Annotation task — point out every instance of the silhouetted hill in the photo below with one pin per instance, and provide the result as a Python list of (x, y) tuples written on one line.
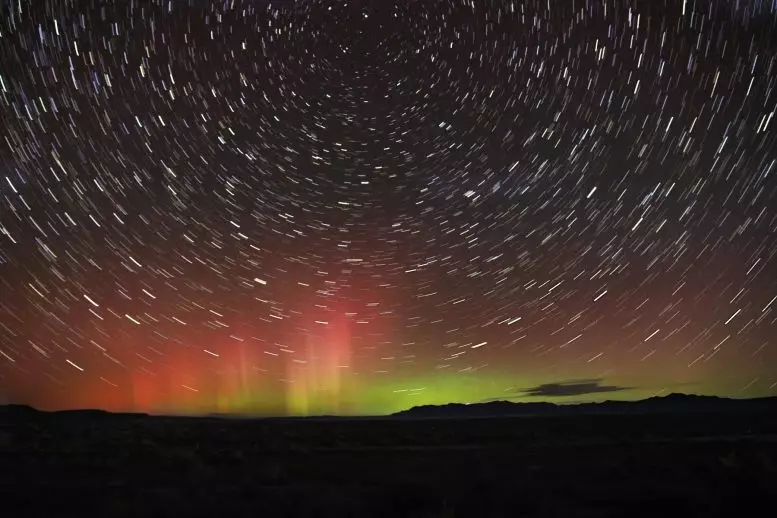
[(670, 403), (94, 414), (11, 412)]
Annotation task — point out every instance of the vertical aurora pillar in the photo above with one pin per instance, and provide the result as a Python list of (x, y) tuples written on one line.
[(316, 375)]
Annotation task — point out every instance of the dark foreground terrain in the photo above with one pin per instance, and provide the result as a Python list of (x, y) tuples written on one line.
[(91, 464)]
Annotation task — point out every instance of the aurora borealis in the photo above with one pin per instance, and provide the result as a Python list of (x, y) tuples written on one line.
[(330, 207)]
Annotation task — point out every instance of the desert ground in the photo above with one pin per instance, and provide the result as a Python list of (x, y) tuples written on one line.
[(84, 464)]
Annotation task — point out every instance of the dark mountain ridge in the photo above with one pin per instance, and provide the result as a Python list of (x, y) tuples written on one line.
[(28, 412), (670, 403), (657, 404)]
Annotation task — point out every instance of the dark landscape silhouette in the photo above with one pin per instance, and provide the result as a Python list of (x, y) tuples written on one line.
[(674, 402), (691, 455)]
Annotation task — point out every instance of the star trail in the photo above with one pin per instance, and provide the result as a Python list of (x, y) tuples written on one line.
[(357, 207)]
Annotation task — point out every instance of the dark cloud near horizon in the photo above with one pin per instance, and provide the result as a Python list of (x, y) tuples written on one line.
[(578, 387), (572, 388)]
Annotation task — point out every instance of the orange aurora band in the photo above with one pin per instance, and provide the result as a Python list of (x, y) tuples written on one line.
[(241, 376), (236, 374)]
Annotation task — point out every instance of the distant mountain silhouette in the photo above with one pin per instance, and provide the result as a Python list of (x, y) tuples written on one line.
[(670, 403), (658, 404), (8, 412)]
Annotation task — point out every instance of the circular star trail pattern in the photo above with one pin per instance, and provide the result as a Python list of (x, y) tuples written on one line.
[(355, 207)]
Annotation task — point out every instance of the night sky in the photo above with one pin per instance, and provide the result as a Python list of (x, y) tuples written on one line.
[(356, 207)]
